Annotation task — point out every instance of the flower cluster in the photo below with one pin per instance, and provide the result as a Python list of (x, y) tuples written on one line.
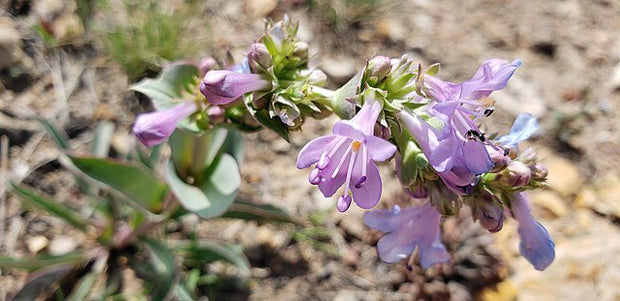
[(391, 109)]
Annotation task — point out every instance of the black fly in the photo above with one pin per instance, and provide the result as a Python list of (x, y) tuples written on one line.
[(488, 112)]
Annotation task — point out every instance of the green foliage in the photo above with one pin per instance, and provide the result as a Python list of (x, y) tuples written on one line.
[(137, 183), (150, 38)]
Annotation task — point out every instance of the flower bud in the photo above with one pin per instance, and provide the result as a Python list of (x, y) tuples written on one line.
[(444, 200), (500, 161), (225, 86), (489, 212), (516, 174), (382, 131), (314, 77), (301, 50), (379, 67), (155, 127), (259, 57), (206, 65), (539, 172), (417, 191), (216, 114)]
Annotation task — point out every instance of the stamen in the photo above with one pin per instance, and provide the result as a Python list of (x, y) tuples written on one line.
[(314, 177), (356, 145), (349, 172), (341, 140), (344, 156), (323, 161), (363, 178), (344, 201)]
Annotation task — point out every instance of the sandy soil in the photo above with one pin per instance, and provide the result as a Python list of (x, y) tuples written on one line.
[(570, 80)]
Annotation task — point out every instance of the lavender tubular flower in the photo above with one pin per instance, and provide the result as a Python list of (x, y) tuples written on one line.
[(523, 127), (225, 86), (348, 157), (407, 229), (451, 167), (155, 127), (536, 245)]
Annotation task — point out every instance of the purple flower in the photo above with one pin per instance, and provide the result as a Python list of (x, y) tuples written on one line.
[(348, 157), (458, 152), (536, 245), (407, 229), (453, 170), (155, 127), (225, 86)]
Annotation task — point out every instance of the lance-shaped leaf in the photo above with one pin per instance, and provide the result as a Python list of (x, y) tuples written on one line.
[(258, 212), (32, 263), (210, 251), (139, 184), (162, 273), (42, 281), (53, 207)]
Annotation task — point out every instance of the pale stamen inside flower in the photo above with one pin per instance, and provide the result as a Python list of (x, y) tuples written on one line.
[(349, 172), (344, 156), (362, 179)]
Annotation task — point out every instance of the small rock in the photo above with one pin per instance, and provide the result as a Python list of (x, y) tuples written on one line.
[(260, 8), (37, 243), (62, 245), (47, 9), (10, 51), (504, 291), (391, 29), (68, 27), (340, 69), (551, 201), (564, 177), (280, 146), (346, 296), (607, 191)]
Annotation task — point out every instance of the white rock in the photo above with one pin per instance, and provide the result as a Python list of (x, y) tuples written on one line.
[(37, 243), (62, 245)]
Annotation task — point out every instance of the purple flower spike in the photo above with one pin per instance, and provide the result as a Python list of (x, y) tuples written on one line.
[(155, 127), (225, 86), (536, 244), (407, 229), (348, 157)]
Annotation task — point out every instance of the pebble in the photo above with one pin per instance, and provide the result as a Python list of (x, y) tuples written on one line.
[(10, 51), (392, 29), (68, 27), (340, 69), (62, 245), (36, 243), (260, 8)]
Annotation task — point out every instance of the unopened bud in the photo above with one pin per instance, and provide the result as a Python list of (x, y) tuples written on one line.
[(382, 131), (216, 114), (516, 174), (417, 191), (259, 57), (489, 212), (444, 200), (379, 67), (539, 172), (314, 77), (301, 50), (206, 65), (499, 159)]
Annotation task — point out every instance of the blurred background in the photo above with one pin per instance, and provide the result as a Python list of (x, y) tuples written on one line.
[(71, 61)]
